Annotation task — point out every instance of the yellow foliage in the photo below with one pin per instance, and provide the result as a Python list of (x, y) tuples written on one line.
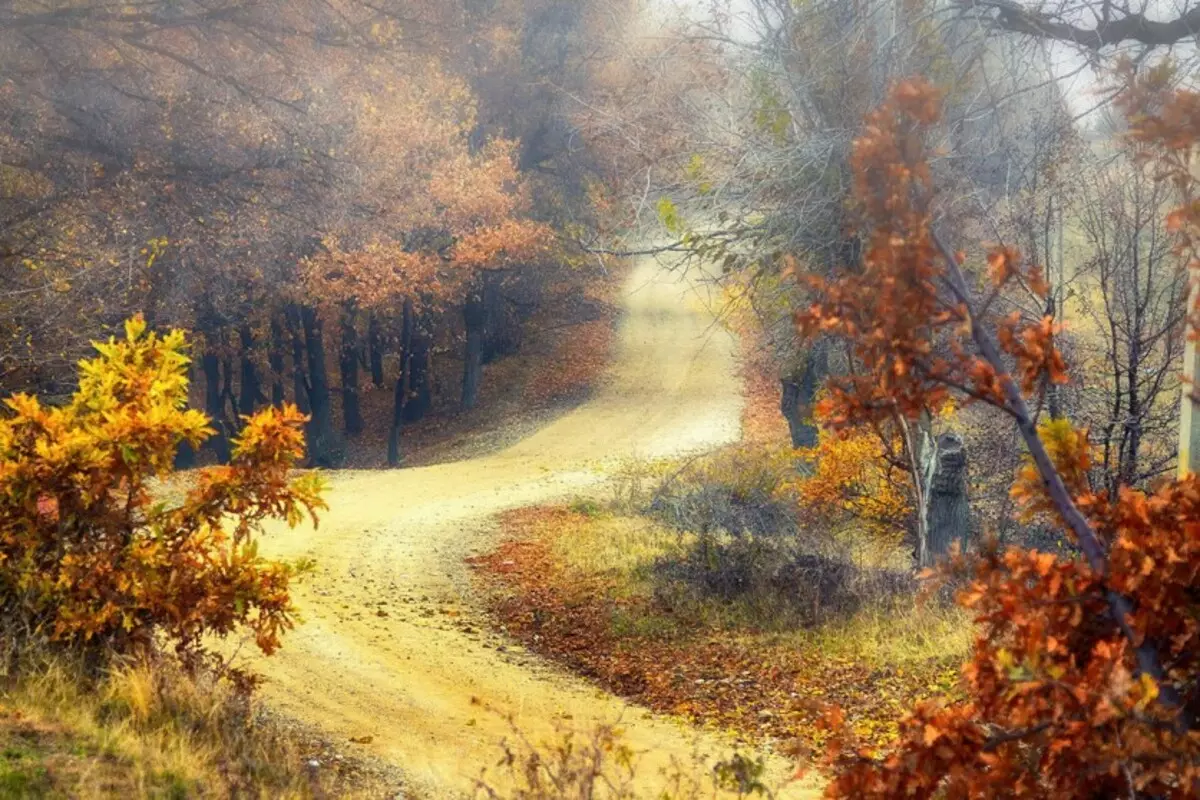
[(850, 474), (87, 557), (1070, 450)]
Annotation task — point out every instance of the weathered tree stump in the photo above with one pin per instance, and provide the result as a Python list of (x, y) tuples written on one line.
[(948, 512)]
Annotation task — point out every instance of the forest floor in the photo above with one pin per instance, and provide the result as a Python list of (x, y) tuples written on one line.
[(584, 585), (394, 656)]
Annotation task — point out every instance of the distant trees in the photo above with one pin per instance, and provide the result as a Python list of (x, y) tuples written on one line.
[(184, 160), (467, 228), (1139, 314)]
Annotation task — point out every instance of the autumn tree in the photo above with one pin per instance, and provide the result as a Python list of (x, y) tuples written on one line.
[(458, 223), (184, 161), (89, 556), (1082, 682)]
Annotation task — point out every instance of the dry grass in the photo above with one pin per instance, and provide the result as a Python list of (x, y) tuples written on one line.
[(584, 587), (599, 764), (619, 549), (143, 731), (905, 633), (622, 552)]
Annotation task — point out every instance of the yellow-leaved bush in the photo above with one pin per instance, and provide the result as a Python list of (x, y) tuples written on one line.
[(850, 475), (87, 553)]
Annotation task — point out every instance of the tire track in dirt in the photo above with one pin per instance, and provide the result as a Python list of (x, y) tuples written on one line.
[(392, 646)]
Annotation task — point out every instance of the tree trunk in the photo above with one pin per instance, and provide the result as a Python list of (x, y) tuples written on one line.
[(394, 456), (1053, 390), (351, 410), (420, 395), (228, 397), (275, 359), (251, 397), (375, 348), (799, 393), (214, 406), (924, 464), (185, 456), (323, 450), (949, 508), (803, 434), (475, 316), (400, 397), (501, 332), (300, 387)]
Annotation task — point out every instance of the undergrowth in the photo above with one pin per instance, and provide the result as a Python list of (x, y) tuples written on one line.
[(581, 588), (598, 763)]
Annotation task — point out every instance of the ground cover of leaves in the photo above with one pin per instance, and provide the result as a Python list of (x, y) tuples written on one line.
[(762, 686)]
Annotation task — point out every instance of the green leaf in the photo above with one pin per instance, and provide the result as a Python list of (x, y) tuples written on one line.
[(668, 214)]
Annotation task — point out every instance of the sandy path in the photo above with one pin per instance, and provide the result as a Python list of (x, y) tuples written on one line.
[(407, 675)]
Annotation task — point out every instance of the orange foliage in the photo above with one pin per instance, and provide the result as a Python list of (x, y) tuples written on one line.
[(761, 421), (905, 327), (373, 276), (851, 475), (1085, 677), (460, 212), (86, 553)]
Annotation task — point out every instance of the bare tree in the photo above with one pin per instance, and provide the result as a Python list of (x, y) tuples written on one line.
[(1139, 308)]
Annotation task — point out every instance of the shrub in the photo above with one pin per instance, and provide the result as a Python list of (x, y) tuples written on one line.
[(740, 490), (88, 557), (596, 764), (849, 479), (780, 538), (770, 583)]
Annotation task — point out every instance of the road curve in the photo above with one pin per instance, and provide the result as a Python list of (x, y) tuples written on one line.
[(390, 646)]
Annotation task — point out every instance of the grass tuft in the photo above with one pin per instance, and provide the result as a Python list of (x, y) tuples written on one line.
[(149, 730)]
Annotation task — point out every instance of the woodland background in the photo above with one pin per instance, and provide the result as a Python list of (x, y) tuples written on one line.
[(374, 216)]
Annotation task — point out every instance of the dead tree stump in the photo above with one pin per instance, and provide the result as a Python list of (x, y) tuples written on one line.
[(948, 510)]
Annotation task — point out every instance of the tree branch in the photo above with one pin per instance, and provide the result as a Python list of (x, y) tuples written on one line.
[(1089, 542), (1013, 17)]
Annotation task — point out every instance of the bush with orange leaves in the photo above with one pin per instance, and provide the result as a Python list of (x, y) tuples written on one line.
[(1084, 681), (88, 558), (850, 475)]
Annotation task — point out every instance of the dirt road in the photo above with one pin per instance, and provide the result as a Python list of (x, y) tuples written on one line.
[(391, 646)]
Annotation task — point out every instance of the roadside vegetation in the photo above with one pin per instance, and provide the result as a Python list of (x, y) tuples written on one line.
[(150, 729), (711, 590), (110, 594)]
